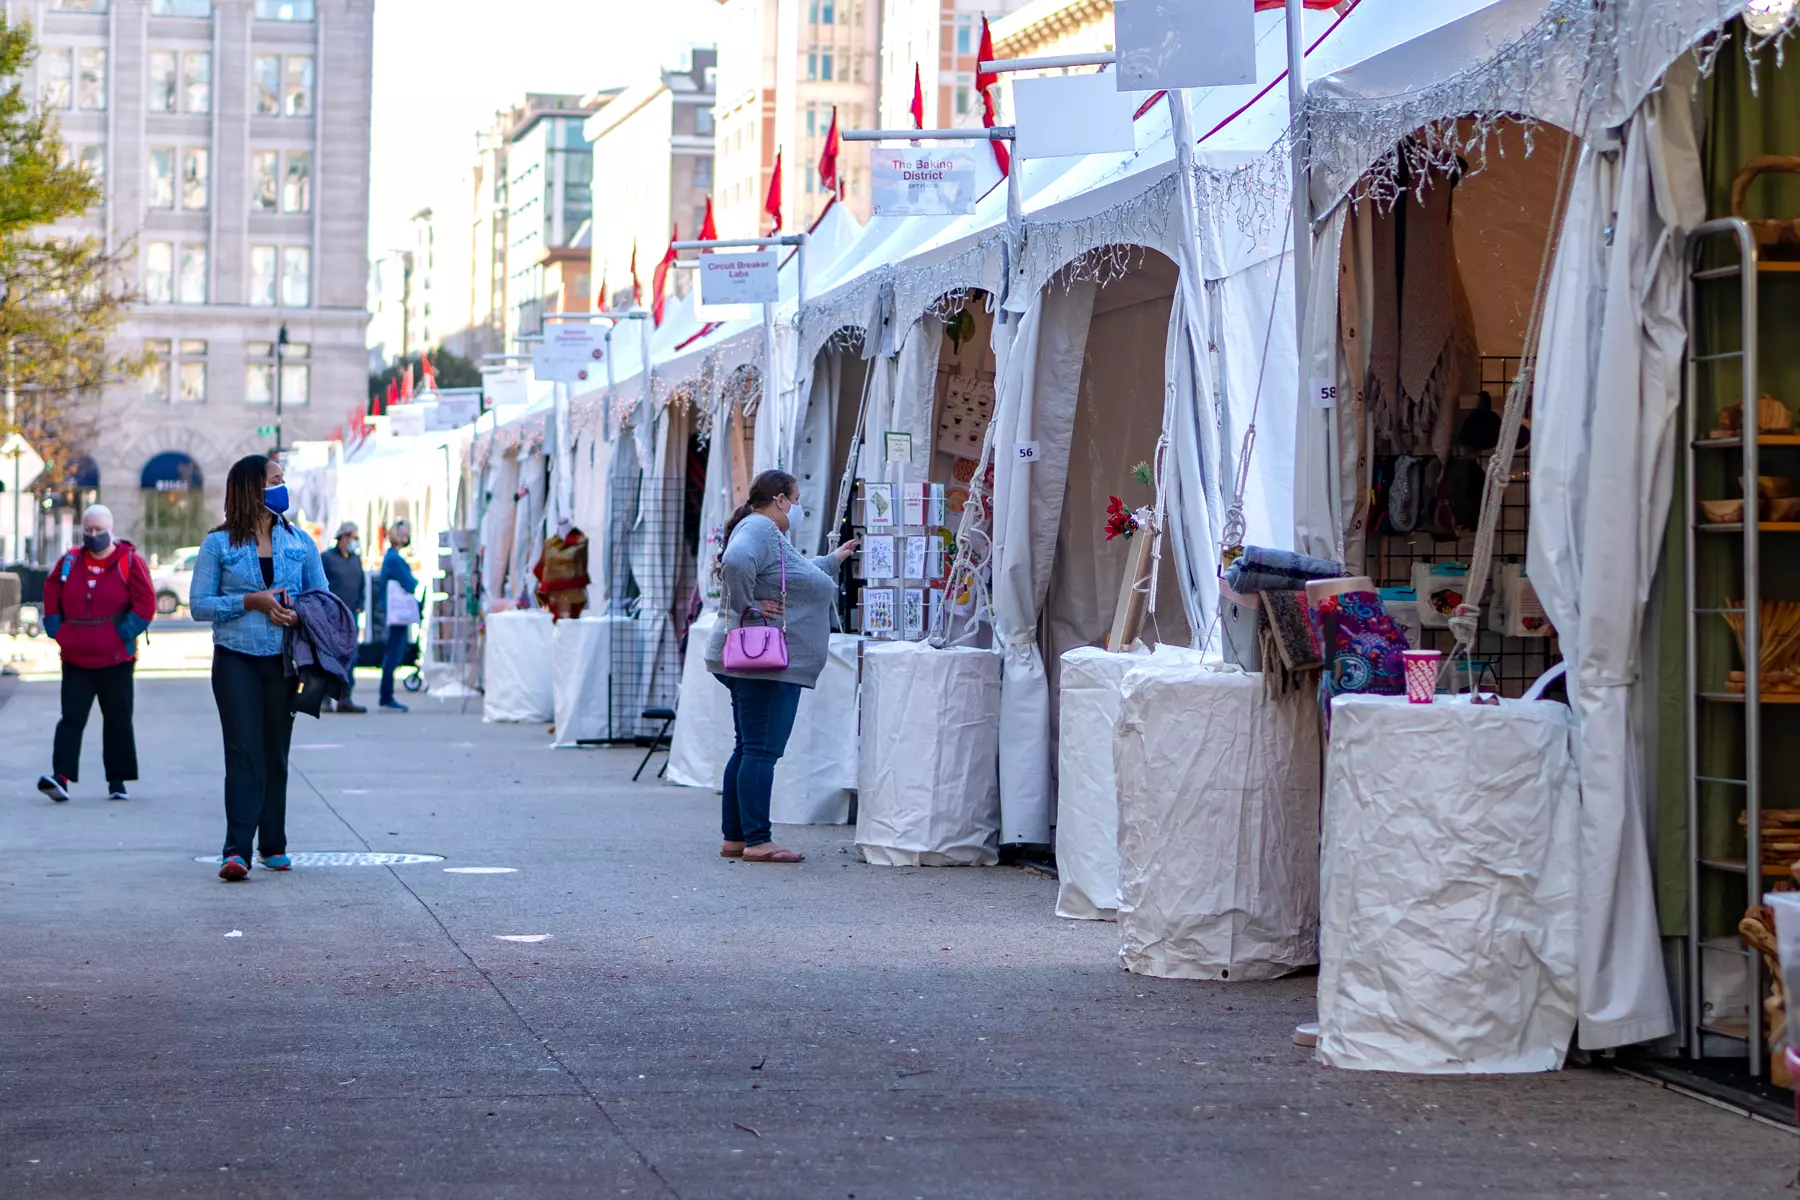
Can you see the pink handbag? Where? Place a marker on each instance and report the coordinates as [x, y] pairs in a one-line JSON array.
[[759, 647]]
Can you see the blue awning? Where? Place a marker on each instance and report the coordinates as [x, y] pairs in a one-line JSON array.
[[81, 472], [171, 471]]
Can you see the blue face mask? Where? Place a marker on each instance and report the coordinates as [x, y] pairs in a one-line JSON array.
[[275, 499]]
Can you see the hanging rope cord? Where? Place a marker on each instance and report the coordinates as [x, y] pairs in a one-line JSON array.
[[1465, 622]]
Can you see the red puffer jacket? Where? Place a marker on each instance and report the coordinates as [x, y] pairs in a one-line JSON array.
[[96, 615]]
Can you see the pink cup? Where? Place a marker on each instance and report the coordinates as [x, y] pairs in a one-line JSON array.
[[1421, 674]]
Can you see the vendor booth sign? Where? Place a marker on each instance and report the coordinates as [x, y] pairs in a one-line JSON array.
[[1190, 44], [913, 182], [1066, 115], [740, 277], [571, 352]]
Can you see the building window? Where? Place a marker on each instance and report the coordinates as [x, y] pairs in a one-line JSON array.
[[181, 8], [162, 81], [284, 10], [296, 373], [297, 86], [296, 276], [262, 276], [162, 178], [703, 122], [812, 66], [965, 34], [191, 287], [159, 273], [156, 375], [265, 70], [265, 168], [194, 178], [93, 161], [196, 81], [87, 6], [191, 371], [90, 93], [965, 93], [703, 174], [296, 190], [58, 75]]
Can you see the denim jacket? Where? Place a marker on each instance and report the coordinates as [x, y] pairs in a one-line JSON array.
[[224, 574]]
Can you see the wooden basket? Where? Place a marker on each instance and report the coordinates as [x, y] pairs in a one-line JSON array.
[[1778, 240]]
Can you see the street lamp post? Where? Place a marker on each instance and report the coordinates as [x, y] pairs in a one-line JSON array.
[[281, 341]]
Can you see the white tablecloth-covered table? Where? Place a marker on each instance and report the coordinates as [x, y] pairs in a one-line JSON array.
[[929, 783], [816, 777], [601, 694], [1087, 790], [1218, 822], [1448, 930], [518, 674], [703, 735]]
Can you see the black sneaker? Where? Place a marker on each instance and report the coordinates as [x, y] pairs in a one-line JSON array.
[[116, 791], [55, 786], [393, 706]]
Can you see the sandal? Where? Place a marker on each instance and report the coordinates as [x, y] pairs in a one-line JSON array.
[[731, 850], [769, 852]]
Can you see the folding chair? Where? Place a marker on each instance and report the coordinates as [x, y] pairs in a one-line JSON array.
[[660, 742]]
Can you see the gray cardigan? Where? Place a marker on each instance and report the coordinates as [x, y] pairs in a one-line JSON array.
[[752, 571]]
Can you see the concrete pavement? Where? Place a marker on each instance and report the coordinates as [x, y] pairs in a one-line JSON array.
[[689, 1026]]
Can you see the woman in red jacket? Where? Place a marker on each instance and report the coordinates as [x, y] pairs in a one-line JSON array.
[[97, 600]]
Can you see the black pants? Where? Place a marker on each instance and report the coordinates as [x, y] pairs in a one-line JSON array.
[[81, 686], [254, 701]]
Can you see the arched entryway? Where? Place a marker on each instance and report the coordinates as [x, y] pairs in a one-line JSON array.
[[174, 510]]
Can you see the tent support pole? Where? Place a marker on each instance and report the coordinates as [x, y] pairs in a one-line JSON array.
[[1303, 263]]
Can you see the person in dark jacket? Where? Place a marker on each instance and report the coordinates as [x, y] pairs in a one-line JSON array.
[[349, 583], [395, 573], [97, 600]]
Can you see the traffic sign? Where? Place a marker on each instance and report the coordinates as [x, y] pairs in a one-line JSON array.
[[265, 431], [20, 463]]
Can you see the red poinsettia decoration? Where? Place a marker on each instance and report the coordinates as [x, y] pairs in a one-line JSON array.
[[1119, 521]]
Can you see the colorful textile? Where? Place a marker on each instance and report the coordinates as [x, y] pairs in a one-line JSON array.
[[1361, 645]]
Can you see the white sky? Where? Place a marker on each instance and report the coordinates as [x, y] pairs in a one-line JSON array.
[[442, 67]]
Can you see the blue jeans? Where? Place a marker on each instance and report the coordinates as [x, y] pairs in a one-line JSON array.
[[762, 715], [391, 654]]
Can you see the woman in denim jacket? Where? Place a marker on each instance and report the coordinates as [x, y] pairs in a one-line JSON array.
[[244, 580]]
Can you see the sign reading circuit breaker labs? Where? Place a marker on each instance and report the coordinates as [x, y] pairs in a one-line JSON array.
[[740, 277]]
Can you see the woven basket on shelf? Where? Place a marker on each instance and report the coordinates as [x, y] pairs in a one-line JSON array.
[[1778, 240]]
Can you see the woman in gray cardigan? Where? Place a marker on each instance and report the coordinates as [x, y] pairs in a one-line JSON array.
[[763, 703]]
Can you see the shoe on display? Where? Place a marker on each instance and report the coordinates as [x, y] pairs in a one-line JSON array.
[[54, 786]]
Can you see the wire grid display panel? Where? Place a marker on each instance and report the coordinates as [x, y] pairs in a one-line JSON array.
[[646, 524], [1507, 664]]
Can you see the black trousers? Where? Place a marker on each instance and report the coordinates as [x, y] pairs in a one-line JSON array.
[[254, 701], [81, 686]]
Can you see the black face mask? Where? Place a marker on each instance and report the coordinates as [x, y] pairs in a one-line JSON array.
[[97, 542]]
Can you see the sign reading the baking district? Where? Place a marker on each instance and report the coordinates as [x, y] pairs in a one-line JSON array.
[[740, 277], [913, 182]]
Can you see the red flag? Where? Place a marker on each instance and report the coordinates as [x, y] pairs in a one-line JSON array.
[[984, 83], [1270, 5], [772, 205], [828, 172], [659, 279], [918, 104], [406, 385], [393, 396], [637, 289], [708, 231], [425, 368]]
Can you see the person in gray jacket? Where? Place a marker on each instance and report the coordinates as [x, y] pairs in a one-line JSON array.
[[763, 703], [350, 583]]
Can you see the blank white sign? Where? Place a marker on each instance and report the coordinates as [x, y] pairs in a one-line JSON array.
[[1065, 115], [1184, 43]]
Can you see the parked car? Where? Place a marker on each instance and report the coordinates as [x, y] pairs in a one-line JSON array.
[[172, 582]]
